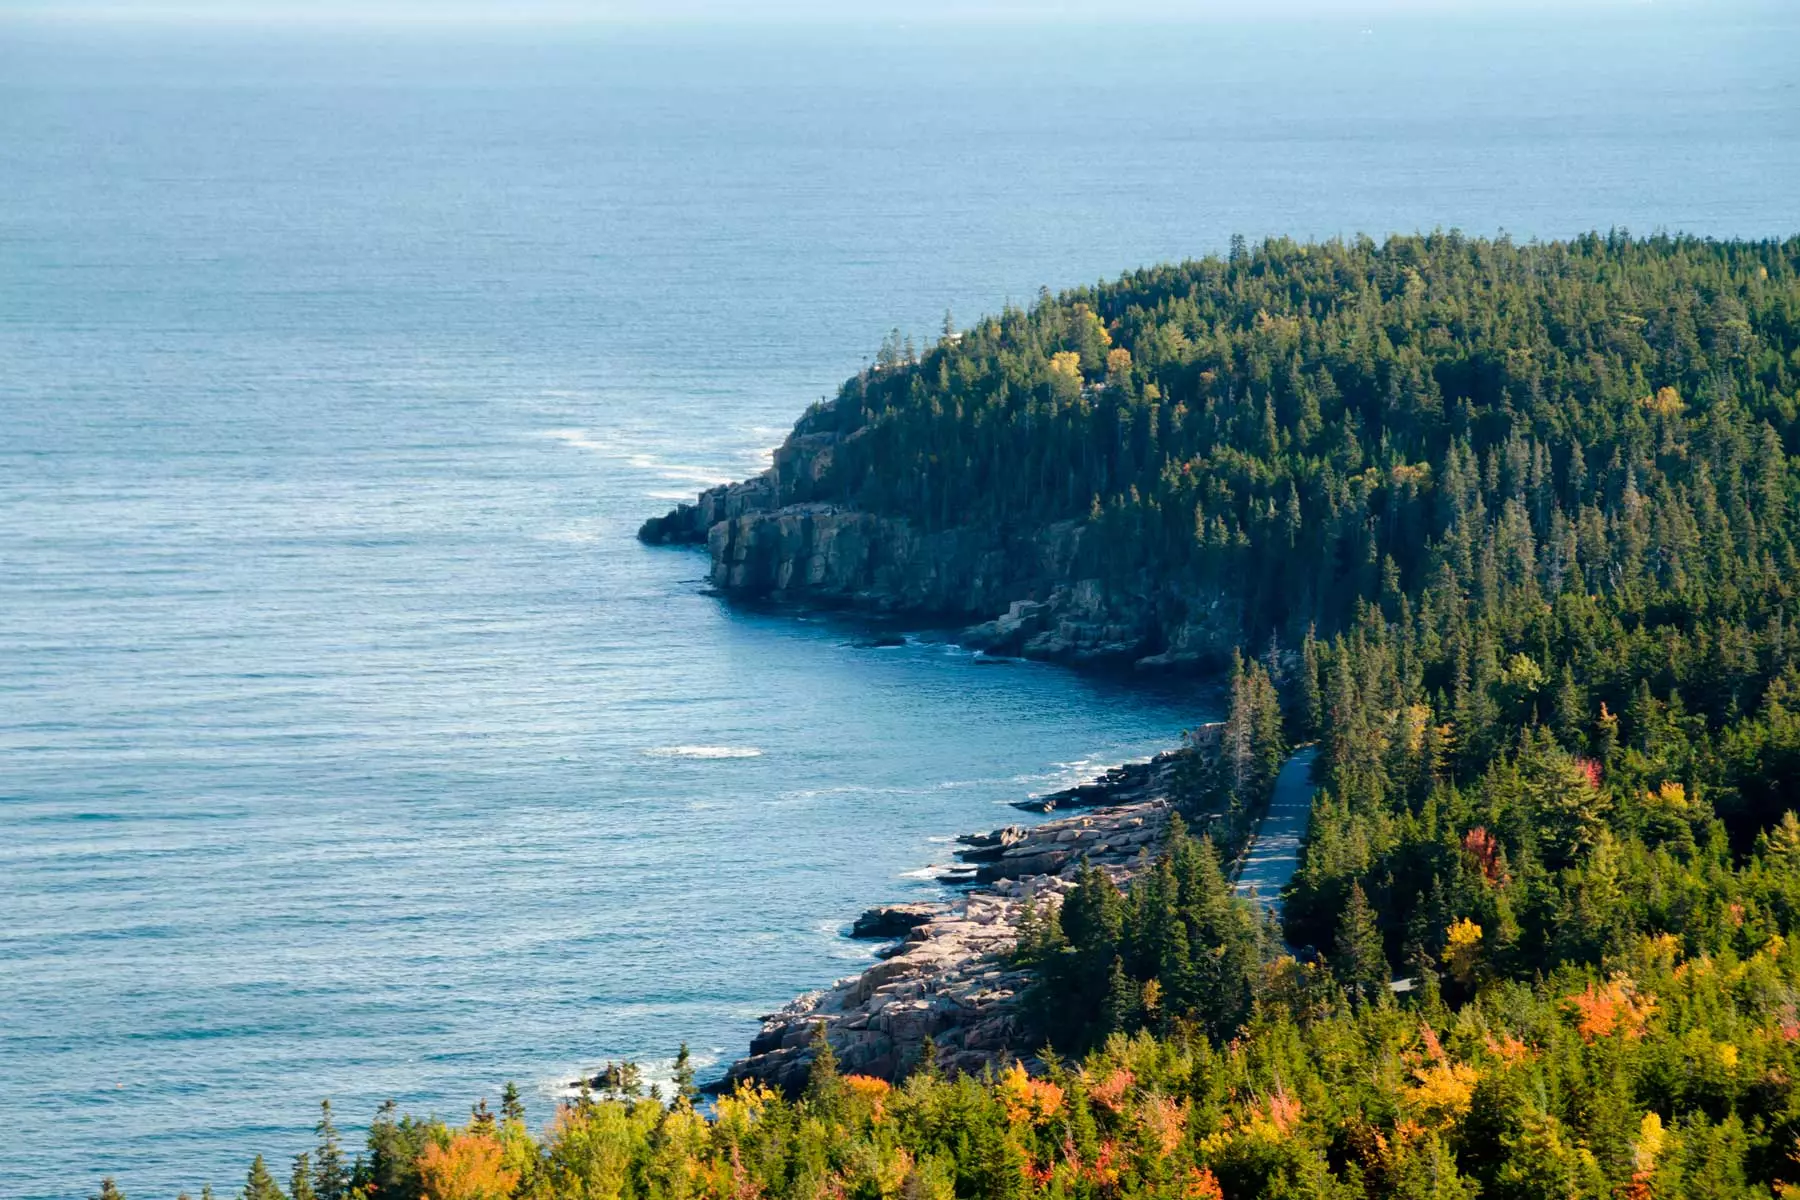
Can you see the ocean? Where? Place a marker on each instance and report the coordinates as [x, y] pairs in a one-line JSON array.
[[350, 746]]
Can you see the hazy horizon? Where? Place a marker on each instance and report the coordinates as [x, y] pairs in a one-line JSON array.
[[350, 13]]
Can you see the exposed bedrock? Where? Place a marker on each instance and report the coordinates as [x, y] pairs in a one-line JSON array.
[[779, 537], [949, 978]]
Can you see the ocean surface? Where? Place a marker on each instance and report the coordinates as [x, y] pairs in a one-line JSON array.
[[349, 745]]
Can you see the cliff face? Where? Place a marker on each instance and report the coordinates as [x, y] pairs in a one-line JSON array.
[[781, 537]]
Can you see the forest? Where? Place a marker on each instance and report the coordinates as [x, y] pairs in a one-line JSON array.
[[1517, 525]]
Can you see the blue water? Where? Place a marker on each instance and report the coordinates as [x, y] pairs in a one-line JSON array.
[[349, 745]]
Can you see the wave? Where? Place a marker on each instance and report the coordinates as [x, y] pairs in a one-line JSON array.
[[673, 472], [676, 472], [581, 439], [588, 531], [704, 752]]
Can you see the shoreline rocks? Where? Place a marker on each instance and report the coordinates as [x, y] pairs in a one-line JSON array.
[[1123, 784], [949, 978]]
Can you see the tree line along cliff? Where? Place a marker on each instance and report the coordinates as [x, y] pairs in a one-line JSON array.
[[1205, 455]]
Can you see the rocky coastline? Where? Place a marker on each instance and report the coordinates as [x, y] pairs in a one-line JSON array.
[[947, 976], [784, 536]]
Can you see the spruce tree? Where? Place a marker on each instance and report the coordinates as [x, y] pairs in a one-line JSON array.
[[300, 1183], [1360, 963], [925, 1066], [512, 1108], [331, 1179], [1267, 738], [259, 1184], [1311, 708], [685, 1091], [1119, 1013], [824, 1086], [1569, 717]]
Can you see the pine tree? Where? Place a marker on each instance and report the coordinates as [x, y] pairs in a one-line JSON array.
[[512, 1108], [1360, 962], [300, 1185], [824, 1086], [685, 1091], [1569, 717], [1237, 741], [1119, 1013], [1311, 708], [1267, 738], [259, 1184], [925, 1066], [331, 1181]]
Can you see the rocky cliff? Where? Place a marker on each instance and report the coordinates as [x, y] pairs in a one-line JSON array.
[[783, 536]]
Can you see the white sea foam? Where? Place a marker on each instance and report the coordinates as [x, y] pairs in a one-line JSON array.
[[704, 752], [587, 531], [673, 472], [1065, 775], [581, 439], [677, 472]]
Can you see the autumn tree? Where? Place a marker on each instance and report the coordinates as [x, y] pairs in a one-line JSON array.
[[468, 1167]]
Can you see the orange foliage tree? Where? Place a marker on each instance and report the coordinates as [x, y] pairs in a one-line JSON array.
[[467, 1168]]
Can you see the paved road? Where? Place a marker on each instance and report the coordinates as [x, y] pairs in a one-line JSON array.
[[1276, 849]]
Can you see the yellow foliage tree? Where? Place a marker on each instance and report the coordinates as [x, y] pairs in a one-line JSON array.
[[1118, 364], [1462, 950], [1442, 1093]]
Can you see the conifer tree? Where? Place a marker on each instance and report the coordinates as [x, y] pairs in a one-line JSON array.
[[331, 1178], [1360, 963], [824, 1086], [259, 1184], [685, 1091], [512, 1107], [300, 1183], [1120, 1012], [1311, 706], [925, 1067]]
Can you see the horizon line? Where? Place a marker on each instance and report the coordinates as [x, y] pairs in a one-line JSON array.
[[711, 13]]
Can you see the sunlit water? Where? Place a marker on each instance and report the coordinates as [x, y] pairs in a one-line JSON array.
[[349, 745]]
